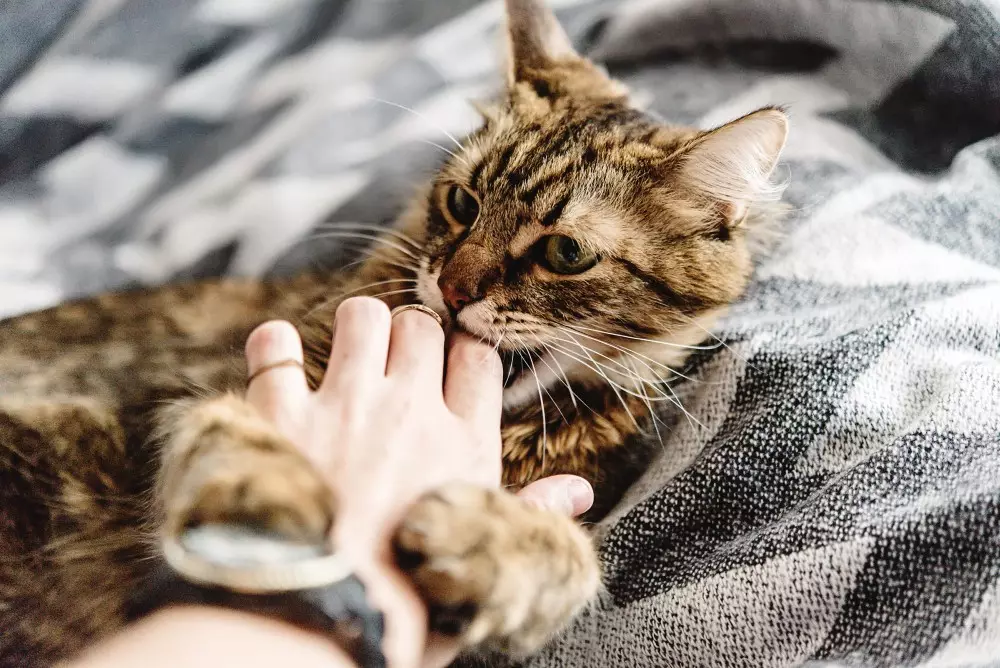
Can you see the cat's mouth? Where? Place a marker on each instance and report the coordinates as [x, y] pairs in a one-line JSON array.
[[516, 363]]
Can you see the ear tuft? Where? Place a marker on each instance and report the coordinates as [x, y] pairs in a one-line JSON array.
[[536, 40], [487, 111], [732, 165]]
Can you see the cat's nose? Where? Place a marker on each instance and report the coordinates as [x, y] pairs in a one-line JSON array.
[[456, 294], [467, 275]]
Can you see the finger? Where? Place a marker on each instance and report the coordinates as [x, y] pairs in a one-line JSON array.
[[473, 388], [569, 495], [416, 347], [360, 342], [279, 388]]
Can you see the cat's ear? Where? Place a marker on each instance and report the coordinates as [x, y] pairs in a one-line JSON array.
[[535, 40], [732, 165], [542, 63]]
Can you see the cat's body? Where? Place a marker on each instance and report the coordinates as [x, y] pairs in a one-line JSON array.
[[571, 227]]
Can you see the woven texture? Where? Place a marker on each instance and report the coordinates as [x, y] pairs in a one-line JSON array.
[[834, 495]]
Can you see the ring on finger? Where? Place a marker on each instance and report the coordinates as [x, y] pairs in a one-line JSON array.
[[274, 365], [417, 307]]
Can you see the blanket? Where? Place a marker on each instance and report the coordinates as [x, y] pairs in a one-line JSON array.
[[830, 494]]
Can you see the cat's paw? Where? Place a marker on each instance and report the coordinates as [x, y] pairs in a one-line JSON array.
[[494, 570], [277, 492]]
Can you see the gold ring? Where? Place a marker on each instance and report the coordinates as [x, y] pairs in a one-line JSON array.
[[275, 365], [417, 307]]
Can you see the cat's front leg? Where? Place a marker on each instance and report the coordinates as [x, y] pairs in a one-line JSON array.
[[495, 571], [224, 464]]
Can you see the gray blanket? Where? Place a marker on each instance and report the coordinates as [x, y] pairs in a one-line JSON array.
[[833, 492]]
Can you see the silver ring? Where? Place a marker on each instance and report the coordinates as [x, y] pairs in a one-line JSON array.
[[417, 307]]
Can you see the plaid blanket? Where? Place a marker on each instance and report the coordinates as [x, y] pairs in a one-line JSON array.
[[832, 494]]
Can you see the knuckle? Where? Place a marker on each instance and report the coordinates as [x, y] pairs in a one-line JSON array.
[[471, 354], [270, 336], [363, 310], [415, 322]]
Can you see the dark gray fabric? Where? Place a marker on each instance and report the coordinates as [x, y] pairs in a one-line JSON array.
[[831, 497]]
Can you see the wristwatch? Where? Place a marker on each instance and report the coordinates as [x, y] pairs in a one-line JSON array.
[[247, 569]]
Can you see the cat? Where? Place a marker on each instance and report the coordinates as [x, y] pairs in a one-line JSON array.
[[593, 244]]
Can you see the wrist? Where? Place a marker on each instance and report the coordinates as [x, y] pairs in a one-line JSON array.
[[240, 568], [193, 635], [405, 615]]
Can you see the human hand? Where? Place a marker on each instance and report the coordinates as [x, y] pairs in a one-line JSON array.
[[386, 426]]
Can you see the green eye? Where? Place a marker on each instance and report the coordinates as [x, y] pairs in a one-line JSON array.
[[564, 255], [462, 206]]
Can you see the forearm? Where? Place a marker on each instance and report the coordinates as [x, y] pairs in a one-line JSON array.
[[210, 637]]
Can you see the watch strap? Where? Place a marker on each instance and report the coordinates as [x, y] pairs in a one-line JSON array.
[[339, 610]]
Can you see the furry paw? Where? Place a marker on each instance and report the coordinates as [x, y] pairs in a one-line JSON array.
[[493, 570], [275, 492], [224, 465]]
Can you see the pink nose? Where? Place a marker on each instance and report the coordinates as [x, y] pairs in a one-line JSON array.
[[456, 296], [467, 276]]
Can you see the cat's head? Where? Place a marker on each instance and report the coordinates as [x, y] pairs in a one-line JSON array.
[[573, 229]]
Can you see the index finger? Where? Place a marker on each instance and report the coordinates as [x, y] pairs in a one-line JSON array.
[[473, 384]]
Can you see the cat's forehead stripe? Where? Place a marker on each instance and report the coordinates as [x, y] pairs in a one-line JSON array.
[[553, 215], [502, 162], [583, 220]]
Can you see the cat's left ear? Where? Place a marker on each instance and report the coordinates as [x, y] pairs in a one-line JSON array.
[[540, 54], [536, 41], [732, 165]]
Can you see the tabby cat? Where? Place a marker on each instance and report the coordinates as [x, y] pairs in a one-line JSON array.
[[591, 242]]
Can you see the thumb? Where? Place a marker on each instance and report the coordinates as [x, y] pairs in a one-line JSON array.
[[569, 495]]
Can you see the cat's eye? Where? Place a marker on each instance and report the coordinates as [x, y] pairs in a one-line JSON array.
[[564, 255], [462, 206]]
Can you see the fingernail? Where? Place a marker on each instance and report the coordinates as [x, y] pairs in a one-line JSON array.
[[579, 495]]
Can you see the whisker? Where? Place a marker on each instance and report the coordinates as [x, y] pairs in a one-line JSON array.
[[639, 338], [370, 253], [424, 118], [532, 332], [722, 343], [510, 372], [614, 386], [378, 229], [541, 404], [347, 234], [676, 400], [598, 368], [496, 348], [565, 378], [631, 373], [637, 355], [394, 292], [547, 393], [446, 150], [340, 296], [641, 388], [691, 419]]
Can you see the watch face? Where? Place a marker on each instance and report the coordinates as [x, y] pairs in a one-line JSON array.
[[243, 546]]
